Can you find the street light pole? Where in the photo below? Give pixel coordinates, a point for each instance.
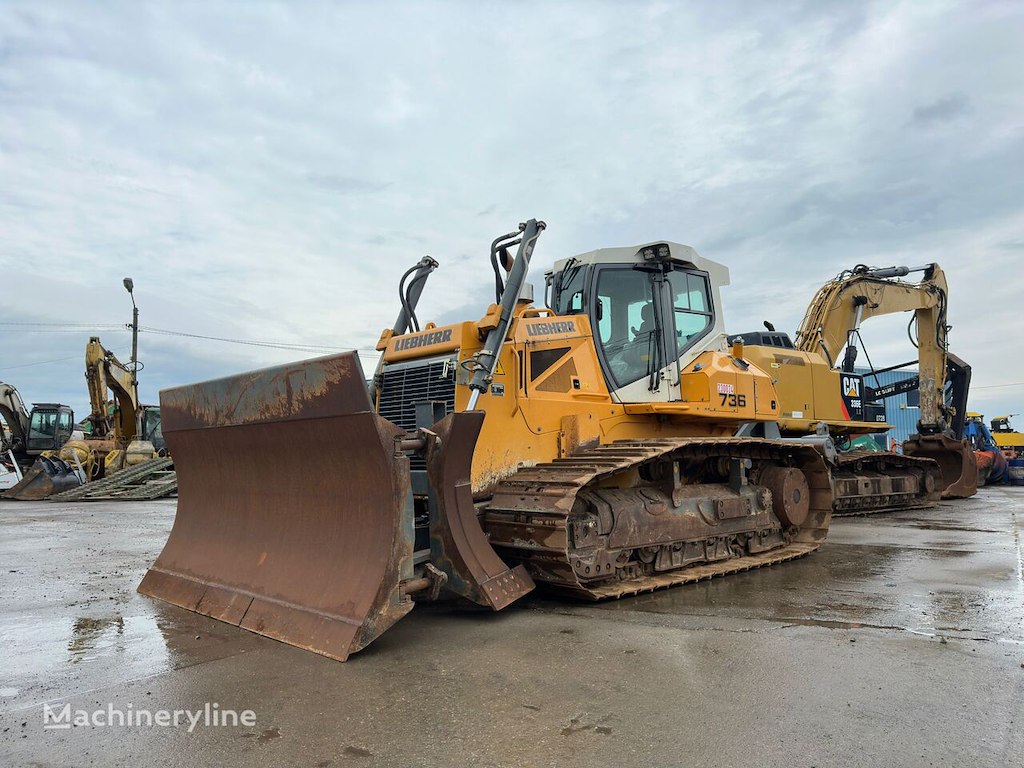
(129, 286)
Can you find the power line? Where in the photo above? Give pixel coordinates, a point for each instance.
(39, 362)
(998, 386)
(47, 362)
(67, 326)
(91, 329)
(31, 327)
(253, 342)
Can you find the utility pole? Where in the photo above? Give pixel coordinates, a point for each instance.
(129, 286)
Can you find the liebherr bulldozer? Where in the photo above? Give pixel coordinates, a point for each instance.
(819, 387)
(588, 445)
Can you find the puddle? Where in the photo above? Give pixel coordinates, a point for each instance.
(41, 652)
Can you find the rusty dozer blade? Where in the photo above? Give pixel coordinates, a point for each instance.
(957, 464)
(292, 495)
(48, 476)
(295, 515)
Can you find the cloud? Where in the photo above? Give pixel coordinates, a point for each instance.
(943, 110)
(269, 172)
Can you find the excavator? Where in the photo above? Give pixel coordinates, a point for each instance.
(126, 435)
(31, 436)
(589, 445)
(134, 428)
(820, 390)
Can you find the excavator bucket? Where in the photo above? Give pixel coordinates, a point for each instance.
(48, 476)
(295, 515)
(957, 464)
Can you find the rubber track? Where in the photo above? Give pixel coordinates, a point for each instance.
(851, 457)
(553, 487)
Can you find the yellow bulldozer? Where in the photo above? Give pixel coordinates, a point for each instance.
(819, 387)
(588, 445)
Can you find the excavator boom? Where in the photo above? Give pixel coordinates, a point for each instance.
(819, 385)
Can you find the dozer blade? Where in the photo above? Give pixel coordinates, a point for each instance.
(294, 513)
(458, 545)
(957, 464)
(42, 480)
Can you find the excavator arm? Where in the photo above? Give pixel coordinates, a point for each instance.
(15, 414)
(833, 322)
(841, 306)
(103, 371)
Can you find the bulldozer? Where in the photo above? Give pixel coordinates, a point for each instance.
(116, 438)
(588, 446)
(820, 390)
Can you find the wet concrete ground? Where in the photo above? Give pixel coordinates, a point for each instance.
(901, 642)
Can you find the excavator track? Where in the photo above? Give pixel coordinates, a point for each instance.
(623, 519)
(868, 482)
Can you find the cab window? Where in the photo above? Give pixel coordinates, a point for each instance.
(64, 425)
(691, 307)
(625, 323)
(570, 281)
(41, 430)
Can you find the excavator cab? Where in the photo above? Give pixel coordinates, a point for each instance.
(49, 427)
(152, 428)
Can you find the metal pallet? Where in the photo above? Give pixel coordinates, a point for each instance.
(151, 479)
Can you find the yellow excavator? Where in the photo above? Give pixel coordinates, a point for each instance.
(588, 445)
(131, 432)
(123, 436)
(818, 387)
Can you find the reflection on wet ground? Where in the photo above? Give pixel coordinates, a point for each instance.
(72, 622)
(886, 571)
(70, 619)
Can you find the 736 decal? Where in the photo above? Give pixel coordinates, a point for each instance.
(733, 401)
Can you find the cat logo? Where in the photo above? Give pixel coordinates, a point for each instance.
(851, 386)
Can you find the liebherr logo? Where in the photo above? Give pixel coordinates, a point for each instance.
(547, 329)
(423, 339)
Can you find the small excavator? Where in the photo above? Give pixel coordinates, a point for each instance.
(129, 434)
(819, 389)
(31, 437)
(588, 445)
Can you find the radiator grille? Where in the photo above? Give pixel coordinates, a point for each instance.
(405, 384)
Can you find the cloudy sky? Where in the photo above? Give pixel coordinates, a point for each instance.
(267, 171)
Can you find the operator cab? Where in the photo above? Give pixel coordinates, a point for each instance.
(652, 309)
(152, 429)
(49, 427)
